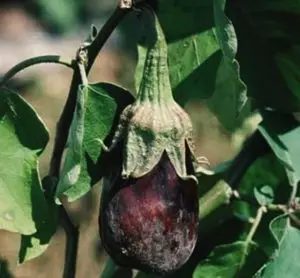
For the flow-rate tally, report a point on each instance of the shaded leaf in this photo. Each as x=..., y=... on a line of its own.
x=266, y=29
x=266, y=170
x=101, y=109
x=282, y=132
x=199, y=71
x=23, y=137
x=72, y=163
x=34, y=245
x=230, y=93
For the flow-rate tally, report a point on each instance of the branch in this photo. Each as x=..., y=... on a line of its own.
x=34, y=61
x=219, y=195
x=224, y=190
x=65, y=120
x=63, y=127
x=259, y=214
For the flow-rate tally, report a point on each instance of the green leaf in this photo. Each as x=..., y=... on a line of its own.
x=72, y=163
x=266, y=29
x=282, y=132
x=264, y=195
x=199, y=70
x=285, y=260
x=101, y=107
x=34, y=245
x=266, y=179
x=23, y=138
x=230, y=261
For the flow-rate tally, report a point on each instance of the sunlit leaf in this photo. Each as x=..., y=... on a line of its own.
x=23, y=137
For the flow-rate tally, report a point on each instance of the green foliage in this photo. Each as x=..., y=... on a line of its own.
x=264, y=195
x=230, y=261
x=284, y=262
x=282, y=132
x=23, y=138
x=232, y=56
x=267, y=40
x=97, y=110
x=201, y=58
x=72, y=164
x=24, y=208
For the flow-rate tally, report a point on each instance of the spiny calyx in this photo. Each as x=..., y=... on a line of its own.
x=155, y=123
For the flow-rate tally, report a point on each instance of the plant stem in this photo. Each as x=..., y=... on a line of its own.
x=223, y=190
x=256, y=222
x=72, y=238
x=34, y=61
x=219, y=195
x=67, y=114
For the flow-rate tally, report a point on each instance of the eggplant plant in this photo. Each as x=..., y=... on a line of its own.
x=164, y=211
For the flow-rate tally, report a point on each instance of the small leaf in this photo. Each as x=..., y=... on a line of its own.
x=72, y=163
x=264, y=195
x=229, y=261
x=285, y=260
x=102, y=106
x=265, y=170
x=23, y=137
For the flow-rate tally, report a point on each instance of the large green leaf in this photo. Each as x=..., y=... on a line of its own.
x=97, y=112
x=239, y=259
x=266, y=35
x=285, y=260
x=23, y=136
x=200, y=70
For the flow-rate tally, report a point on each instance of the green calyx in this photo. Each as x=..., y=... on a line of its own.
x=155, y=123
